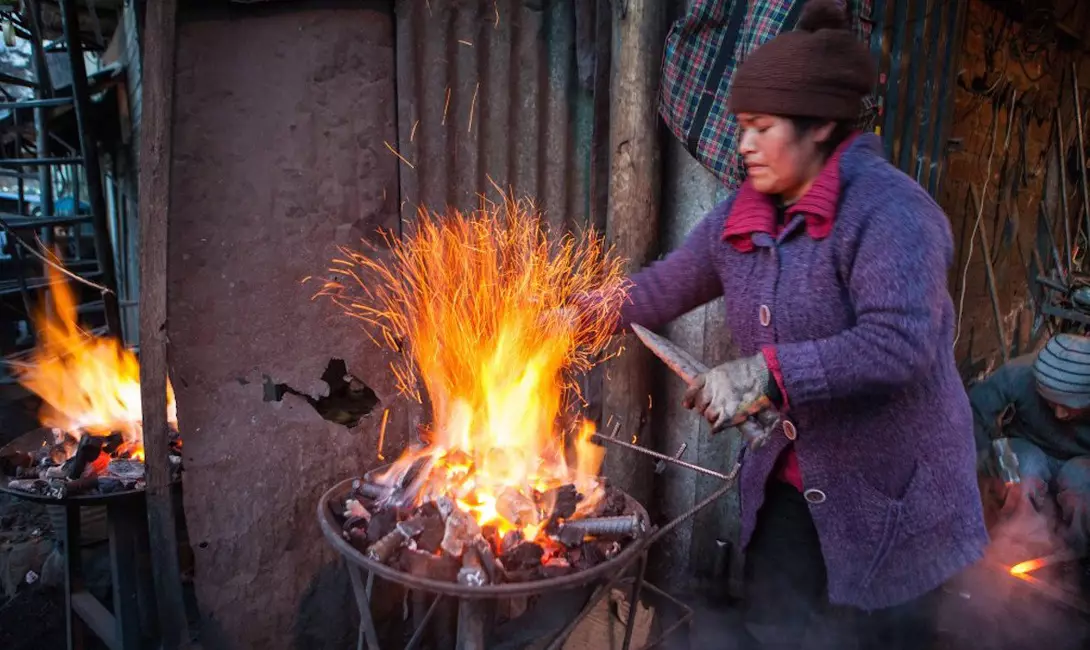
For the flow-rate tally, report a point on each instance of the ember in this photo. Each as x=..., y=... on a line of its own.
x=90, y=390
x=477, y=302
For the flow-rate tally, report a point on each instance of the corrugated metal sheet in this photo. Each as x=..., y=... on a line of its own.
x=918, y=42
x=491, y=91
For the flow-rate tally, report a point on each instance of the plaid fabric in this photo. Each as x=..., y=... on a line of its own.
x=703, y=49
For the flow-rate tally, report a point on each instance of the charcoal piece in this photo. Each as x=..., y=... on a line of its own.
x=384, y=549
x=461, y=529
x=431, y=537
x=491, y=533
x=556, y=567
x=613, y=504
x=569, y=535
x=27, y=472
x=382, y=523
x=353, y=509
x=472, y=573
x=565, y=500
x=112, y=442
x=89, y=449
x=522, y=556
x=109, y=485
x=364, y=490
x=355, y=522
x=487, y=557
x=126, y=469
x=428, y=565
x=586, y=556
x=516, y=507
x=81, y=486
x=512, y=539
x=446, y=506
x=12, y=461
x=33, y=485
x=357, y=537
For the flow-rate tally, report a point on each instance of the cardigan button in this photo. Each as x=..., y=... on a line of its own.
x=789, y=430
x=814, y=496
x=765, y=314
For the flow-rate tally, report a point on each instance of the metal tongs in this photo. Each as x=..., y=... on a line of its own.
x=758, y=419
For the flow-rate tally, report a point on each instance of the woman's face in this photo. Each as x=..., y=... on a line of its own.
x=779, y=160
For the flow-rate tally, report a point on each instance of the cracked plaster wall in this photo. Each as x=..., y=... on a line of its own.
x=280, y=117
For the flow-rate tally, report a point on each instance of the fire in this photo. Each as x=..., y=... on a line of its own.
x=477, y=301
x=88, y=384
x=1028, y=566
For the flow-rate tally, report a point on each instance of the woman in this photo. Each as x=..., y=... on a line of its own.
x=834, y=268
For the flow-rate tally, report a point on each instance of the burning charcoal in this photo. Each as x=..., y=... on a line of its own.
x=446, y=506
x=89, y=449
x=355, y=522
x=570, y=536
x=586, y=556
x=112, y=442
x=27, y=472
x=81, y=485
x=613, y=504
x=472, y=573
x=34, y=486
x=516, y=507
x=556, y=567
x=512, y=539
x=487, y=557
x=611, y=549
x=460, y=530
x=126, y=469
x=522, y=556
x=434, y=529
x=53, y=472
x=368, y=490
x=624, y=526
x=382, y=524
x=11, y=462
x=565, y=500
x=107, y=485
x=428, y=565
x=355, y=509
x=357, y=537
x=384, y=549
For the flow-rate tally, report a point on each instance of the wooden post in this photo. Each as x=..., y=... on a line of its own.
x=155, y=159
x=632, y=220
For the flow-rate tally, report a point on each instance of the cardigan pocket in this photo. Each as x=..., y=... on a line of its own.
x=891, y=520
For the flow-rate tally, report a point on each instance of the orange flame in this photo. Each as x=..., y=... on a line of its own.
x=88, y=384
x=1028, y=566
x=479, y=301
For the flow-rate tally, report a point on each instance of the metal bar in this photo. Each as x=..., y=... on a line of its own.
x=122, y=523
x=16, y=81
x=73, y=576
x=104, y=249
x=368, y=636
x=421, y=628
x=40, y=161
x=599, y=594
x=20, y=260
x=955, y=16
x=93, y=615
x=35, y=103
x=912, y=77
x=41, y=124
x=1051, y=284
x=15, y=221
x=472, y=624
x=664, y=457
x=1061, y=168
x=989, y=272
x=634, y=603
x=685, y=619
x=893, y=77
x=1082, y=146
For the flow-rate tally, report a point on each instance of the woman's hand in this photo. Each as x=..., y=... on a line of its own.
x=723, y=394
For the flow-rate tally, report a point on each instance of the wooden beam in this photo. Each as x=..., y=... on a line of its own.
x=155, y=160
x=632, y=219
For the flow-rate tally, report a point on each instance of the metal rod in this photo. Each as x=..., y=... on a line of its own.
x=1061, y=155
x=418, y=634
x=40, y=161
x=989, y=272
x=15, y=221
x=104, y=249
x=1082, y=146
x=41, y=123
x=20, y=260
x=367, y=632
x=634, y=603
x=664, y=457
x=35, y=103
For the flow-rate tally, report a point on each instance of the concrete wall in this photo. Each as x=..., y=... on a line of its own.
x=280, y=116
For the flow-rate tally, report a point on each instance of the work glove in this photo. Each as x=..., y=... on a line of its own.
x=726, y=395
x=757, y=429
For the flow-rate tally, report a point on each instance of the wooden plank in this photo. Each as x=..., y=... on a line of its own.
x=155, y=161
x=96, y=617
x=633, y=217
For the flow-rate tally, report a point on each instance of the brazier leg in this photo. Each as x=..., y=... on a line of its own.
x=123, y=519
x=73, y=576
x=634, y=602
x=473, y=617
x=368, y=636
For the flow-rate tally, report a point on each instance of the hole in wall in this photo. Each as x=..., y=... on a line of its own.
x=348, y=401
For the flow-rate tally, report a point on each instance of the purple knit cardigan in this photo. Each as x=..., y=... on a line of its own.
x=862, y=324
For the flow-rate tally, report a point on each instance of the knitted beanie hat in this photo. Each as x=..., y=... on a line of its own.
x=1062, y=370
x=819, y=70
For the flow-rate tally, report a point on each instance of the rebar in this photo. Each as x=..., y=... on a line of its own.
x=623, y=525
x=1082, y=146
x=664, y=457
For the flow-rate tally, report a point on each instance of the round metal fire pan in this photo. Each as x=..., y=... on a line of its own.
x=34, y=440
x=333, y=533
